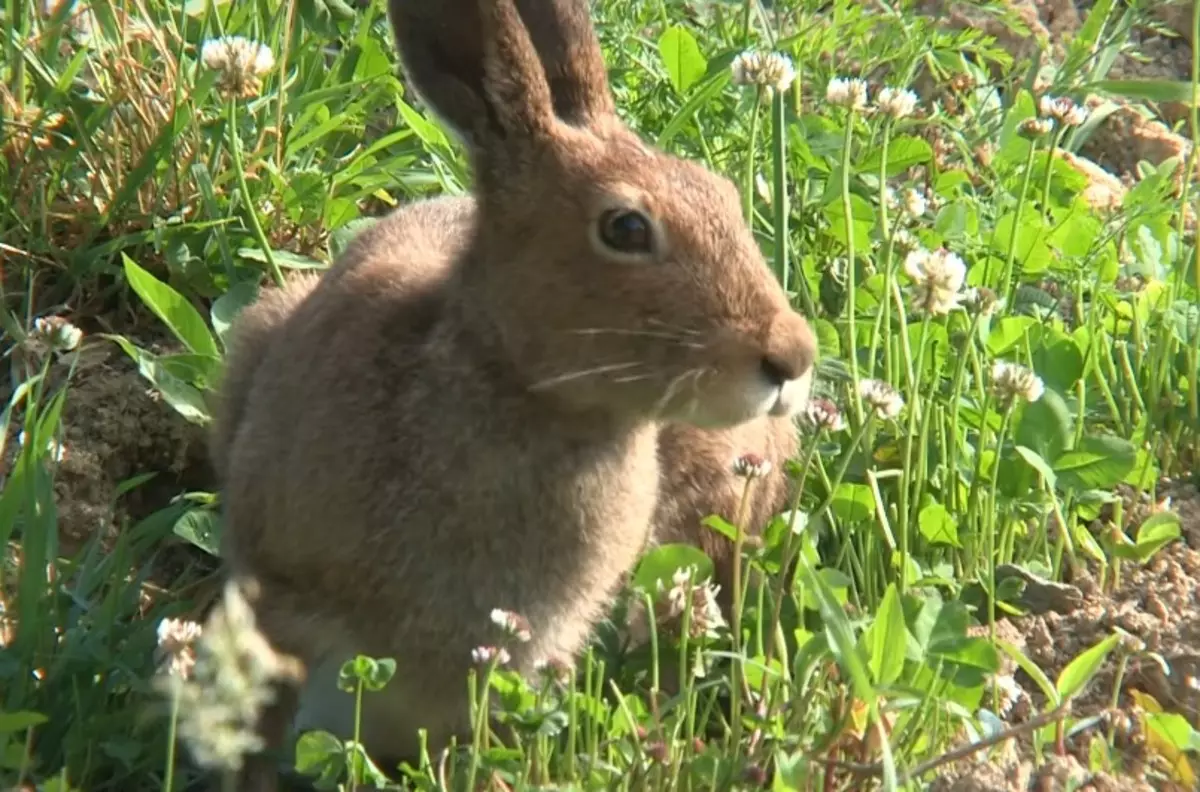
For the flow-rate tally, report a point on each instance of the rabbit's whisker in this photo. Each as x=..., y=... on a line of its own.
x=675, y=328
x=559, y=379
x=676, y=337
x=673, y=387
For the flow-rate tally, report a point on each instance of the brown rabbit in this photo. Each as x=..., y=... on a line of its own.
x=463, y=414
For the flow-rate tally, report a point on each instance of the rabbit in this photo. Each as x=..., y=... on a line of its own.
x=464, y=412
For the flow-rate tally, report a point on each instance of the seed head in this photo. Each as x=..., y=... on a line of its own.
x=1063, y=110
x=1034, y=128
x=938, y=279
x=1011, y=382
x=880, y=397
x=848, y=93
x=822, y=414
x=751, y=466
x=768, y=70
x=241, y=63
x=553, y=669
x=513, y=624
x=896, y=102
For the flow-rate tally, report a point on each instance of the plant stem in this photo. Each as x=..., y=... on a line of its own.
x=748, y=180
x=1005, y=289
x=851, y=277
x=239, y=170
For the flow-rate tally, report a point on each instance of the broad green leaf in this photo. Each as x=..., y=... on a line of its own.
x=1081, y=670
x=11, y=722
x=1032, y=253
x=318, y=753
x=1035, y=461
x=938, y=526
x=1010, y=331
x=660, y=565
x=225, y=309
x=888, y=639
x=1153, y=90
x=1036, y=674
x=852, y=502
x=682, y=57
x=1098, y=463
x=185, y=398
x=201, y=527
x=170, y=306
x=1156, y=533
x=1046, y=426
x=904, y=152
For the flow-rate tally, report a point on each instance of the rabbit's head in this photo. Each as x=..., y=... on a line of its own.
x=609, y=274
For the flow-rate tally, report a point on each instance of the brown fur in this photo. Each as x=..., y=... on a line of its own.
x=463, y=413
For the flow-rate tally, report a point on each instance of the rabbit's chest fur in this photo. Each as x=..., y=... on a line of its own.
x=406, y=488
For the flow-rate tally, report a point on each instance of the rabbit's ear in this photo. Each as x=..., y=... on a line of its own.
x=475, y=65
x=566, y=42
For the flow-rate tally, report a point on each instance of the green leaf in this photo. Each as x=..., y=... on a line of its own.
x=1152, y=90
x=1081, y=670
x=184, y=397
x=888, y=639
x=1156, y=533
x=904, y=152
x=1035, y=461
x=852, y=502
x=682, y=57
x=11, y=722
x=319, y=753
x=938, y=526
x=225, y=309
x=1032, y=253
x=201, y=527
x=1098, y=463
x=1010, y=331
x=170, y=306
x=1046, y=426
x=1035, y=673
x=660, y=565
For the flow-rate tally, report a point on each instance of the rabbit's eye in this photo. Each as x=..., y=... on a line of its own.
x=627, y=231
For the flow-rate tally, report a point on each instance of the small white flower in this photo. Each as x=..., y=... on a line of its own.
x=1011, y=381
x=751, y=466
x=57, y=333
x=915, y=202
x=176, y=645
x=896, y=102
x=881, y=397
x=706, y=617
x=484, y=655
x=1063, y=110
x=768, y=70
x=1034, y=128
x=904, y=240
x=849, y=93
x=938, y=279
x=1010, y=692
x=553, y=669
x=513, y=624
x=823, y=414
x=242, y=64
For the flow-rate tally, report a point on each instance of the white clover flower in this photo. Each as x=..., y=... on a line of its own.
x=849, y=93
x=896, y=102
x=1063, y=110
x=513, y=624
x=938, y=279
x=905, y=241
x=1011, y=381
x=822, y=414
x=241, y=63
x=751, y=466
x=1010, y=692
x=1034, y=128
x=915, y=202
x=881, y=397
x=484, y=655
x=983, y=300
x=706, y=617
x=769, y=70
x=176, y=639
x=553, y=669
x=57, y=333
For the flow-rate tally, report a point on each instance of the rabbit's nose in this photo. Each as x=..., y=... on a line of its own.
x=790, y=352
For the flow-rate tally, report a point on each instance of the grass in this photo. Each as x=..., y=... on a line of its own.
x=131, y=185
